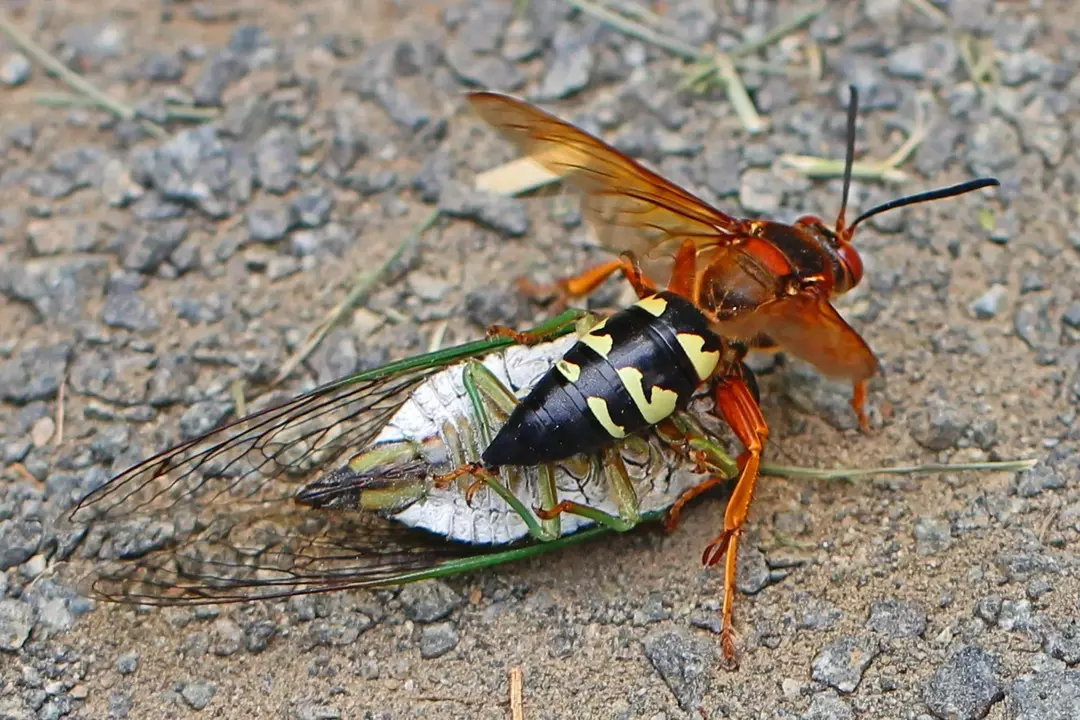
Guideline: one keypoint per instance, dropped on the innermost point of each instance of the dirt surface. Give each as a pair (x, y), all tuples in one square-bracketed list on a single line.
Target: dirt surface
[(144, 275)]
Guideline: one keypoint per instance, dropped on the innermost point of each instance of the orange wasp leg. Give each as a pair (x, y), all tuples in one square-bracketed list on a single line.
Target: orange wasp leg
[(578, 286), (858, 404), (735, 400), (684, 272)]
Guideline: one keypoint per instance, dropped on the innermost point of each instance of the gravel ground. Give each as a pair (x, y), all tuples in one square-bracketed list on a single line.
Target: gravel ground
[(142, 275)]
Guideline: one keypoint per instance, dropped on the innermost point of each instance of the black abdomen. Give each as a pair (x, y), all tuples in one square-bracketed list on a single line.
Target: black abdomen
[(627, 374)]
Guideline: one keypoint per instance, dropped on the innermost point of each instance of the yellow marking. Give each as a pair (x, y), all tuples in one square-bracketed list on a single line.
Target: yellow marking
[(663, 400), (600, 412), (569, 370), (600, 343), (655, 305), (705, 361)]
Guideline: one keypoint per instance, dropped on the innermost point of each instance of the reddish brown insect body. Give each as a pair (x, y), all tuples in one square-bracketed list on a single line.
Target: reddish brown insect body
[(761, 284)]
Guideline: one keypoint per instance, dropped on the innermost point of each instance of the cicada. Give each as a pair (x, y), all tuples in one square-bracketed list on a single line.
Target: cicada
[(345, 486)]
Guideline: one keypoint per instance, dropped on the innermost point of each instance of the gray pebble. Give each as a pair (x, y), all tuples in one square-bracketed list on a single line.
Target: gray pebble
[(120, 704), (1052, 695), (20, 538), (965, 686), (752, 574), (15, 70), (504, 214), (257, 635), (58, 288), (940, 427), (490, 72), (339, 633), (203, 417), (198, 694), (932, 535), (124, 308), (828, 706), (16, 622), (154, 245), (222, 70), (62, 235), (1039, 478), (268, 222), (277, 160), (161, 66), (434, 174), (816, 613), (993, 146), (495, 305), (570, 66), (895, 618), (1071, 316), (438, 639), (311, 208), (427, 602), (990, 303), (34, 374), (760, 192), (226, 637), (685, 662), (842, 663), (988, 608), (401, 106), (128, 663)]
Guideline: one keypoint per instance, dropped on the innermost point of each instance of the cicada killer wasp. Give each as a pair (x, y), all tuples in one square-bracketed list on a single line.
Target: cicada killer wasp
[(728, 285)]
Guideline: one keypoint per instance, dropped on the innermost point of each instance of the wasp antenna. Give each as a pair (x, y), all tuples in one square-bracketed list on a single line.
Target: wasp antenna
[(940, 193), (849, 161)]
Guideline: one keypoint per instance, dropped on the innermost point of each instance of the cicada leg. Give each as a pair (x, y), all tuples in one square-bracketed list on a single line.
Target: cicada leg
[(489, 397), (581, 319), (622, 491)]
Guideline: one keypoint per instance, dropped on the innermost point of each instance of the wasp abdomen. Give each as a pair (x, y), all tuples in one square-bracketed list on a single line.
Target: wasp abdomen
[(625, 375)]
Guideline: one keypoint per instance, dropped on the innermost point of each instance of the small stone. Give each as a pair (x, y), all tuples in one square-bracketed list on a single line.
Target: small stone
[(1071, 317), (759, 192), (203, 417), (42, 431), (227, 637), (257, 635), (16, 622), (940, 427), (842, 663), (504, 214), (752, 574), (277, 160), (154, 246), (569, 69), (965, 686), (932, 535), (15, 70), (311, 208), (990, 303), (896, 619), (128, 663), (816, 613), (1039, 478), (198, 694), (34, 374), (268, 222), (19, 540), (438, 639), (428, 601), (1052, 695), (828, 706), (684, 661)]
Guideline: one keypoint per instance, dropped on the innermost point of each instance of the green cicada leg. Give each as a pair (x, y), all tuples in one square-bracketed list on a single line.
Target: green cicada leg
[(622, 491), (702, 448), (582, 320), (490, 397)]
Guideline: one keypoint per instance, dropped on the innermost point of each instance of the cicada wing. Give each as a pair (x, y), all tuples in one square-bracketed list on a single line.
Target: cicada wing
[(216, 516), (630, 207), (245, 556)]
